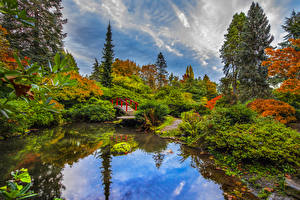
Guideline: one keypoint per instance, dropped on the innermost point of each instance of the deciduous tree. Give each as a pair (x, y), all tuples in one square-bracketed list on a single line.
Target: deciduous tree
[(149, 75)]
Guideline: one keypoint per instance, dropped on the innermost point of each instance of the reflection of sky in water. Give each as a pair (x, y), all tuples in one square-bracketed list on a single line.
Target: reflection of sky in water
[(135, 176)]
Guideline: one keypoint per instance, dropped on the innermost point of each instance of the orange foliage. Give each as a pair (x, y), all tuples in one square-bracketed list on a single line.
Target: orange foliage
[(57, 105), (125, 68), (280, 110), (285, 63), (84, 89), (211, 103), (148, 74), (6, 53)]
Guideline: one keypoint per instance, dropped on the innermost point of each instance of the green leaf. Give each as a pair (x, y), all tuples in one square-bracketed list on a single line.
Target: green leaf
[(4, 113), (24, 189), (33, 69), (12, 73)]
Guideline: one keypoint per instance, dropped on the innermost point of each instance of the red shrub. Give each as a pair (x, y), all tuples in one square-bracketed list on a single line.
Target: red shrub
[(280, 110), (211, 103)]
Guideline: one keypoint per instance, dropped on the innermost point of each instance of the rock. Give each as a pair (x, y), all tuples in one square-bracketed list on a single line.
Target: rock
[(293, 187)]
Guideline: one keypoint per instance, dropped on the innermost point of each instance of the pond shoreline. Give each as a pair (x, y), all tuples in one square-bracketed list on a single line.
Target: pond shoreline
[(292, 192)]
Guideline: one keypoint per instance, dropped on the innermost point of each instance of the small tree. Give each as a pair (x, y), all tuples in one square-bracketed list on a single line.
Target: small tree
[(96, 73)]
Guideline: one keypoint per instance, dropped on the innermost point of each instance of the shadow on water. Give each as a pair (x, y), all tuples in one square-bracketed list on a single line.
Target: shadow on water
[(76, 162)]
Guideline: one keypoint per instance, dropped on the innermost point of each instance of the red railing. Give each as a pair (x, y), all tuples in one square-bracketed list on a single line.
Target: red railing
[(120, 101)]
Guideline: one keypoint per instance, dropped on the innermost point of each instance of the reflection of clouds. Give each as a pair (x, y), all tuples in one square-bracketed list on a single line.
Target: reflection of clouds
[(135, 176), (205, 189), (178, 188), (82, 180)]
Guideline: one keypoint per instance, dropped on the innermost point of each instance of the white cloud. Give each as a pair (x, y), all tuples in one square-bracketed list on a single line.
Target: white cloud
[(199, 26), (217, 69)]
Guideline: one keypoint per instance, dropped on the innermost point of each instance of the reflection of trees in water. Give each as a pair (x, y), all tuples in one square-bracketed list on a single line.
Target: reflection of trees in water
[(11, 153), (150, 143), (106, 172), (158, 159), (207, 169), (47, 181)]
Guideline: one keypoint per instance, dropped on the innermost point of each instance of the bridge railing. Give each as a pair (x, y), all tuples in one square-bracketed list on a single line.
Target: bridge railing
[(120, 101)]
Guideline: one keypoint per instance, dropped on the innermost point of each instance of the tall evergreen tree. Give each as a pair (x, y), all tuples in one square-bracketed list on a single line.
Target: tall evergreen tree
[(229, 51), (256, 38), (108, 57), (162, 72), (41, 41), (96, 73), (106, 172), (292, 27)]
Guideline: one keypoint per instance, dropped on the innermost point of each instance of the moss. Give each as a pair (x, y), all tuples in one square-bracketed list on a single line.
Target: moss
[(121, 148)]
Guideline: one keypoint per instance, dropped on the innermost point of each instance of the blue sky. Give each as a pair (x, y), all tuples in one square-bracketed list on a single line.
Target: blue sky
[(187, 32)]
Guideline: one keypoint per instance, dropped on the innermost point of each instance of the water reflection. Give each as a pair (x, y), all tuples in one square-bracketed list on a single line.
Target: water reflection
[(75, 162)]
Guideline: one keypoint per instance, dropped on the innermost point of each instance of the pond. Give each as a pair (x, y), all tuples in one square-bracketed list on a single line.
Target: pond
[(75, 162)]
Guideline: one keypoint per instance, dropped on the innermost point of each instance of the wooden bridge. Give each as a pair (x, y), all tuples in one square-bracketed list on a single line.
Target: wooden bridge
[(126, 106)]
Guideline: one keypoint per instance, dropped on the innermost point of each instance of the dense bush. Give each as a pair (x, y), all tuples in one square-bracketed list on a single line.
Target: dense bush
[(151, 113), (28, 115), (80, 92), (191, 124), (280, 110), (211, 103), (178, 102), (230, 116), (265, 141), (132, 87), (95, 110), (291, 99)]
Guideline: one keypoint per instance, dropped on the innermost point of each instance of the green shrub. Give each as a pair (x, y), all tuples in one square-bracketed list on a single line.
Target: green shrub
[(235, 114), (191, 124), (265, 141), (95, 110), (151, 113), (177, 103), (201, 109), (28, 115)]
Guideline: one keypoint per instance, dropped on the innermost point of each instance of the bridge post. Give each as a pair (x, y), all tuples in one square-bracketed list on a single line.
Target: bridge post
[(135, 106), (112, 101), (116, 101), (121, 103), (126, 106)]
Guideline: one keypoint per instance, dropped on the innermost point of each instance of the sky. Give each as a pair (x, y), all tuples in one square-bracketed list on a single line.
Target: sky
[(187, 32)]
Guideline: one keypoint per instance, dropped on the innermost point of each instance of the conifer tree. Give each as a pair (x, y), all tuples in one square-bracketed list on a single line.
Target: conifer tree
[(72, 65), (161, 68), (41, 41), (108, 57), (96, 73), (256, 38), (292, 27), (229, 51)]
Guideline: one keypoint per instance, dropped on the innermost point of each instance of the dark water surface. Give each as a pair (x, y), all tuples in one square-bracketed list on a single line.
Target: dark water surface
[(75, 162)]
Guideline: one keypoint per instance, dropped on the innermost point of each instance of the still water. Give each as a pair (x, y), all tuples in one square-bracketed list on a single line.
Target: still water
[(75, 162)]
